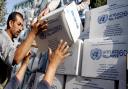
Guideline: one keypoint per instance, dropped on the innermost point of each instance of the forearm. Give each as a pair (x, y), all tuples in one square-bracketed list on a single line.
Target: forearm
[(55, 59), (20, 74), (25, 46), (50, 73), (15, 81)]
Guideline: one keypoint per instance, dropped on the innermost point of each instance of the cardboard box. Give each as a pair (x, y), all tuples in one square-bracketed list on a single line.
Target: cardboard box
[(72, 64), (58, 82), (112, 2), (63, 23), (88, 83), (105, 59), (109, 21)]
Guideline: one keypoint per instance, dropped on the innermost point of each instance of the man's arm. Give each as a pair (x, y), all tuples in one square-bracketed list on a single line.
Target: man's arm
[(25, 46), (22, 70), (15, 81), (55, 59)]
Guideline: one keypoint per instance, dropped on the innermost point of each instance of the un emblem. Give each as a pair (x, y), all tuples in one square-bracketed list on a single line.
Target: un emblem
[(102, 19), (95, 54)]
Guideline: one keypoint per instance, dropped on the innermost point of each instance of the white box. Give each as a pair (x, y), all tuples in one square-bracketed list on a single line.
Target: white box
[(88, 83), (105, 59), (112, 2), (63, 23), (58, 82), (109, 21), (72, 64)]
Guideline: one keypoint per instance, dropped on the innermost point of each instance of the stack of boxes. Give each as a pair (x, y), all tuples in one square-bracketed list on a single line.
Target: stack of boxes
[(100, 61), (104, 53), (88, 83), (64, 23)]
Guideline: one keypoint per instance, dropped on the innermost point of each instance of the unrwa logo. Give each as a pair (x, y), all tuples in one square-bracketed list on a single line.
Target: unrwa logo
[(102, 19), (95, 54)]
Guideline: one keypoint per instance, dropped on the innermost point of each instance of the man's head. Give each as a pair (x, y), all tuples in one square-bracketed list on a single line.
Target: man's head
[(15, 24)]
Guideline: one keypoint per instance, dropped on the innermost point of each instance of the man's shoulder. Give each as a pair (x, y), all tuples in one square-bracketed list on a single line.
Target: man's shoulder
[(4, 39), (3, 35), (1, 31)]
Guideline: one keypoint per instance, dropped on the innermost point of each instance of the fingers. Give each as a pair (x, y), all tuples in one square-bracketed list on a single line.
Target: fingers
[(26, 58), (44, 12), (49, 52), (29, 54), (59, 46), (39, 25), (59, 54), (63, 47), (66, 49), (67, 54), (35, 24), (43, 25)]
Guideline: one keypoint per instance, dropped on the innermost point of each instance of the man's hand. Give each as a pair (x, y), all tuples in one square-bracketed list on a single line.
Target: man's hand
[(55, 59), (59, 54), (39, 25)]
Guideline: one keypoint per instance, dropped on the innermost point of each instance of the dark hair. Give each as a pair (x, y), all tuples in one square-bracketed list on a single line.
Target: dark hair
[(12, 16)]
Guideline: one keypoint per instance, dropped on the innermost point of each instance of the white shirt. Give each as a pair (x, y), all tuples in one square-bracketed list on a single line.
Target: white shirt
[(7, 48)]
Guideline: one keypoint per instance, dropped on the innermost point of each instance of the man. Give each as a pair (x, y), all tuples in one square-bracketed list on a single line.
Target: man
[(55, 59), (9, 53)]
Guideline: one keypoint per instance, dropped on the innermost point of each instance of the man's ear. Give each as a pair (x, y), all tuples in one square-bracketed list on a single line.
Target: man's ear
[(11, 23)]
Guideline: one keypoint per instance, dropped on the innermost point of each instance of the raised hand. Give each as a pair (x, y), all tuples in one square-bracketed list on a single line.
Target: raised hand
[(59, 54)]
